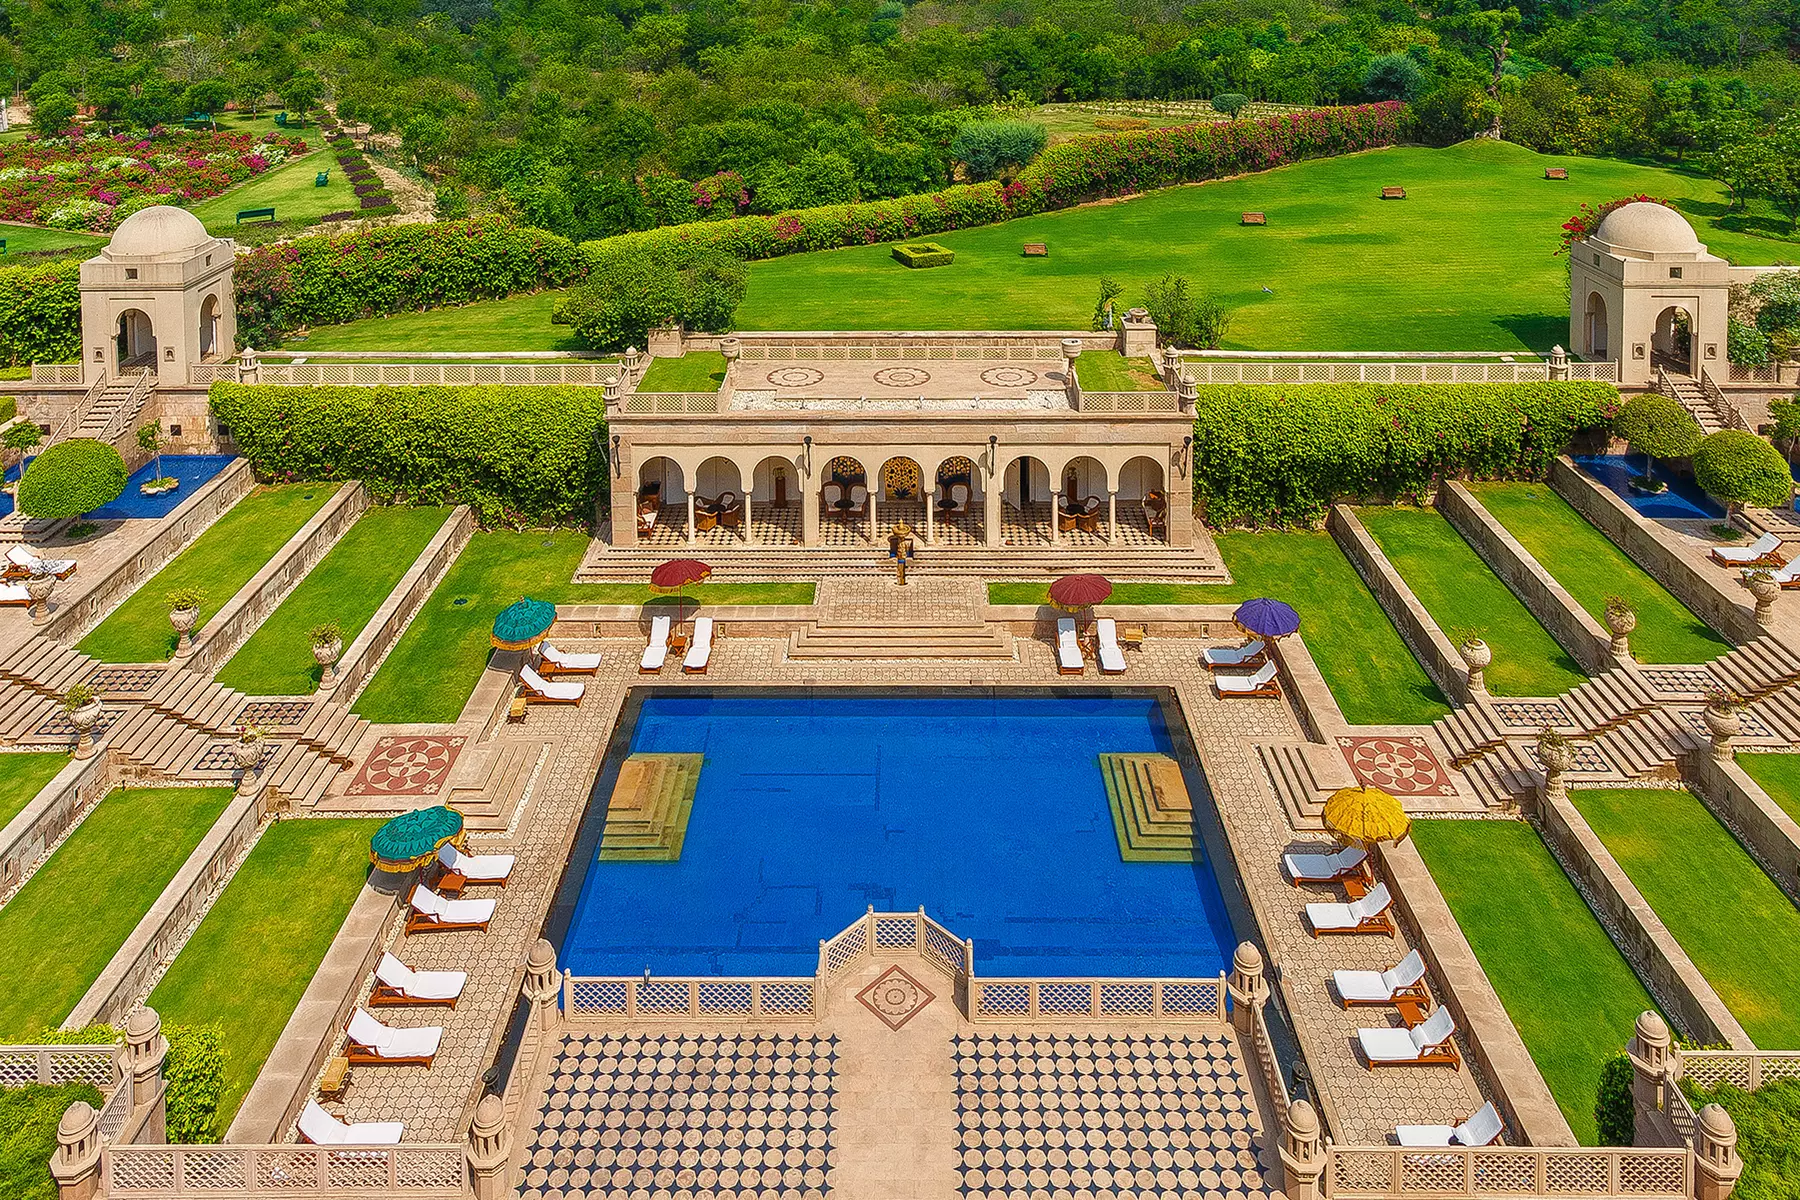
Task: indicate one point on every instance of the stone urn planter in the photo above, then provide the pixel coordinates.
(182, 620)
(1557, 756)
(39, 587)
(1621, 619)
(326, 652)
(1763, 589)
(1724, 716)
(84, 717)
(246, 752)
(1477, 655)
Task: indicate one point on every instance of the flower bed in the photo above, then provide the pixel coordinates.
(92, 183)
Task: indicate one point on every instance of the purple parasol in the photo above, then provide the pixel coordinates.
(1266, 618)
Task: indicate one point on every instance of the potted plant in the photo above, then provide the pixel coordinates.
(1760, 582)
(81, 704)
(1724, 717)
(38, 587)
(184, 611)
(150, 441)
(1621, 619)
(327, 643)
(1557, 753)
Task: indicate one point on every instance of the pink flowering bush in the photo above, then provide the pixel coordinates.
(88, 183)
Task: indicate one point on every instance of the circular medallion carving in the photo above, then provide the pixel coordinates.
(795, 377)
(902, 377)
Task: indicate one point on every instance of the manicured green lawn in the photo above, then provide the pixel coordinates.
(515, 323)
(221, 561)
(23, 238)
(66, 923)
(22, 777)
(29, 1116)
(1778, 775)
(697, 371)
(288, 189)
(1568, 990)
(1102, 372)
(1464, 597)
(250, 960)
(430, 673)
(1591, 568)
(348, 585)
(1737, 926)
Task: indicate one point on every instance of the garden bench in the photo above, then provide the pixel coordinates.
(322, 178)
(1556, 172)
(2, 245)
(1037, 250)
(1255, 219)
(255, 214)
(281, 119)
(1393, 193)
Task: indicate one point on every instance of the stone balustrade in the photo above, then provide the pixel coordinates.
(63, 802)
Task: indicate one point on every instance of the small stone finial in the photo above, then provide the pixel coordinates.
(489, 1148)
(1247, 959)
(75, 1163)
(78, 1120)
(490, 1114)
(1302, 1153)
(542, 982)
(1716, 1162)
(1247, 986)
(1302, 1121)
(1652, 1030)
(145, 1052)
(1717, 1124)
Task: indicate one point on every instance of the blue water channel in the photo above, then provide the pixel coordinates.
(192, 469)
(990, 812)
(1684, 499)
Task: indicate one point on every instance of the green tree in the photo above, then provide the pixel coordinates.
(630, 293)
(301, 91)
(1659, 426)
(1740, 468)
(22, 439)
(53, 113)
(208, 96)
(1488, 31)
(1738, 158)
(72, 478)
(1392, 77)
(1230, 103)
(1781, 171)
(995, 149)
(150, 441)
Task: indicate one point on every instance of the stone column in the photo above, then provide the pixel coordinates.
(809, 511)
(1559, 363)
(75, 1164)
(490, 1146)
(690, 516)
(930, 518)
(145, 1051)
(1248, 987)
(993, 506)
(874, 518)
(1302, 1153)
(1071, 350)
(612, 392)
(1649, 1054)
(249, 370)
(1055, 517)
(542, 984)
(1112, 518)
(1716, 1162)
(1187, 394)
(1171, 366)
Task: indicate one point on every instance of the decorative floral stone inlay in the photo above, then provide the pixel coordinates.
(795, 377)
(1009, 377)
(902, 377)
(1404, 766)
(895, 997)
(406, 766)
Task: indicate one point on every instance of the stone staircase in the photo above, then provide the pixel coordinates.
(118, 403)
(741, 562)
(647, 817)
(1152, 814)
(1687, 390)
(912, 640)
(1304, 774)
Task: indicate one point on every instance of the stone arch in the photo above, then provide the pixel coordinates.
(1026, 515)
(1143, 503)
(1597, 338)
(209, 327)
(901, 478)
(718, 499)
(135, 344)
(661, 500)
(774, 501)
(958, 498)
(1672, 341)
(844, 489)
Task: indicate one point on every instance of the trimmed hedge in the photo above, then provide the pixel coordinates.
(924, 254)
(1741, 468)
(514, 454)
(194, 1072)
(29, 1116)
(1074, 171)
(72, 478)
(40, 313)
(1658, 425)
(1266, 454)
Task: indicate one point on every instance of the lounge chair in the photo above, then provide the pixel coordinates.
(21, 563)
(539, 690)
(1260, 684)
(14, 593)
(700, 649)
(657, 652)
(368, 1041)
(459, 870)
(1068, 650)
(1368, 915)
(648, 511)
(1482, 1129)
(1324, 868)
(397, 983)
(1106, 640)
(322, 1129)
(432, 912)
(1422, 1045)
(1404, 980)
(1760, 553)
(561, 662)
(1251, 654)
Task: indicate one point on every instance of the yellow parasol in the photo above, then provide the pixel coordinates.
(1366, 815)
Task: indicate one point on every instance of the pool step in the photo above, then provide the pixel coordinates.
(899, 641)
(1153, 816)
(647, 816)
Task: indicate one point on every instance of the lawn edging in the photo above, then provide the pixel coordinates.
(1574, 629)
(390, 620)
(1429, 644)
(1641, 540)
(1665, 968)
(58, 808)
(217, 640)
(176, 913)
(176, 532)
(1748, 812)
(1518, 1085)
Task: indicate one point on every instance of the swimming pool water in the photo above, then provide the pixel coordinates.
(192, 469)
(990, 812)
(1684, 499)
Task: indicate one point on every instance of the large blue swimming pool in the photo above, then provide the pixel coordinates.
(192, 469)
(990, 812)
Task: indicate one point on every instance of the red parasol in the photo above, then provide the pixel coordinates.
(1074, 593)
(675, 575)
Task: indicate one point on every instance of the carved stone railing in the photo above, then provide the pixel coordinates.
(1386, 372)
(1030, 348)
(377, 374)
(1724, 410)
(56, 373)
(1263, 1047)
(1129, 402)
(671, 402)
(1098, 999)
(1746, 1069)
(1393, 1172)
(1744, 373)
(1597, 372)
(413, 1172)
(213, 372)
(634, 998)
(54, 1065)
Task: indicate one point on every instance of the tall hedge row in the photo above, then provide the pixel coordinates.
(40, 313)
(514, 454)
(1274, 455)
(1084, 168)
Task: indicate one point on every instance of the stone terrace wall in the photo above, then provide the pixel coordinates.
(1772, 836)
(390, 620)
(1428, 643)
(63, 802)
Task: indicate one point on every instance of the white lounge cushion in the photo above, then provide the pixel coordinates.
(19, 556)
(455, 912)
(1404, 1045)
(1231, 656)
(1378, 987)
(657, 652)
(1112, 659)
(389, 1042)
(322, 1129)
(553, 689)
(1246, 683)
(567, 661)
(419, 985)
(1304, 867)
(476, 868)
(13, 591)
(1765, 544)
(700, 650)
(1068, 650)
(1482, 1129)
(1348, 916)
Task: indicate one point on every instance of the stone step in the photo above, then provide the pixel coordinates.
(647, 815)
(1151, 811)
(906, 641)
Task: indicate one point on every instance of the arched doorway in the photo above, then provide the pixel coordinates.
(1083, 518)
(209, 328)
(774, 503)
(136, 340)
(959, 503)
(900, 495)
(661, 503)
(1025, 503)
(844, 502)
(1143, 501)
(1672, 343)
(1597, 343)
(718, 502)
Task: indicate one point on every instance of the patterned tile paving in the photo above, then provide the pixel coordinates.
(406, 766)
(713, 1115)
(1133, 1118)
(1534, 714)
(1679, 680)
(1588, 757)
(276, 713)
(1754, 725)
(59, 724)
(130, 680)
(216, 756)
(895, 997)
(1404, 766)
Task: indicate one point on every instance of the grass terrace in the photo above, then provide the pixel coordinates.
(289, 189)
(1103, 372)
(515, 323)
(23, 239)
(1737, 926)
(1464, 597)
(22, 777)
(697, 371)
(431, 671)
(1776, 774)
(1563, 982)
(65, 924)
(1591, 568)
(251, 958)
(348, 585)
(220, 562)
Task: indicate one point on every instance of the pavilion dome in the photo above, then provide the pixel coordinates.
(156, 231)
(1644, 227)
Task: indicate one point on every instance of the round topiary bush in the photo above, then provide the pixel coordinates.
(72, 478)
(1659, 426)
(1741, 468)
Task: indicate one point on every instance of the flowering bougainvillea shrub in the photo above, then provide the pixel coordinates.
(1583, 223)
(95, 181)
